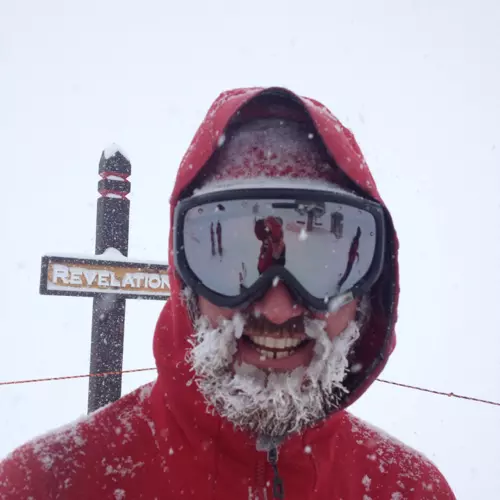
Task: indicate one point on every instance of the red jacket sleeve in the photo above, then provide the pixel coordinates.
(24, 476)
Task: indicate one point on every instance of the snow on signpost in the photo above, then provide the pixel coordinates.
(110, 277)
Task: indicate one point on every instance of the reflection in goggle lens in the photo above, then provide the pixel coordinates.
(328, 247)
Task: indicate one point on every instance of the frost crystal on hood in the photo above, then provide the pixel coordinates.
(119, 494)
(271, 147)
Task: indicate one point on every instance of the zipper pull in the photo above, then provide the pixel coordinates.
(278, 487)
(270, 445)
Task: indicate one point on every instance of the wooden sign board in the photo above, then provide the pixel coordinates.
(88, 277)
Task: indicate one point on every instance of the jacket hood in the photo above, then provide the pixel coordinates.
(174, 326)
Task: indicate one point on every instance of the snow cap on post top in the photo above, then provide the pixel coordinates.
(114, 168)
(114, 159)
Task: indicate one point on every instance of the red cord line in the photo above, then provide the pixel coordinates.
(105, 374)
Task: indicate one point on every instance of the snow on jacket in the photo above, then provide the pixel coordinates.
(159, 442)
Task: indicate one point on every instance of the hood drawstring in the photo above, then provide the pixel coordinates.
(270, 445)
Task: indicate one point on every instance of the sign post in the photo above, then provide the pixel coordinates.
(109, 277)
(108, 316)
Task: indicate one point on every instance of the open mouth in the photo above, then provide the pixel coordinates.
(275, 347)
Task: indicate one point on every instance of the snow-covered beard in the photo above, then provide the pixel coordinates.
(266, 402)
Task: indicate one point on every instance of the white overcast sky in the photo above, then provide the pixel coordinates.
(417, 81)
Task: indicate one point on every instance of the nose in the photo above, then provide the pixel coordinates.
(277, 305)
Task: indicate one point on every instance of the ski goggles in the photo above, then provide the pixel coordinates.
(234, 241)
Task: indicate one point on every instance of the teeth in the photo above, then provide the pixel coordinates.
(273, 355)
(259, 340)
(265, 354)
(276, 343)
(269, 342)
(289, 342)
(282, 354)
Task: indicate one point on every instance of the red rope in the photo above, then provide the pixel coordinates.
(439, 393)
(105, 374)
(68, 377)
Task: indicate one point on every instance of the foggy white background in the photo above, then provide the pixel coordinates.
(417, 81)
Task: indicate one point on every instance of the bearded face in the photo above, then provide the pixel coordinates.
(265, 401)
(274, 367)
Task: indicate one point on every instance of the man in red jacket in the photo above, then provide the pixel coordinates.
(254, 378)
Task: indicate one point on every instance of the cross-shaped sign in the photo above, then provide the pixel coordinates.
(109, 277)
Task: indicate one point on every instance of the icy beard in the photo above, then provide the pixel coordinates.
(269, 403)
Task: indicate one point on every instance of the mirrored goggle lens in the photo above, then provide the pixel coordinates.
(328, 247)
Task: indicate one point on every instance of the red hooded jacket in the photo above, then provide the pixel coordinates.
(159, 442)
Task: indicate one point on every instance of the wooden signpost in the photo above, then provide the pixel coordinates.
(109, 277)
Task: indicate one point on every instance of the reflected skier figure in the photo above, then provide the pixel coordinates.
(352, 257)
(219, 238)
(212, 239)
(242, 276)
(336, 224)
(272, 250)
(218, 231)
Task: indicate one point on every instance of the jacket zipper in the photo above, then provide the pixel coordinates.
(269, 445)
(272, 458)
